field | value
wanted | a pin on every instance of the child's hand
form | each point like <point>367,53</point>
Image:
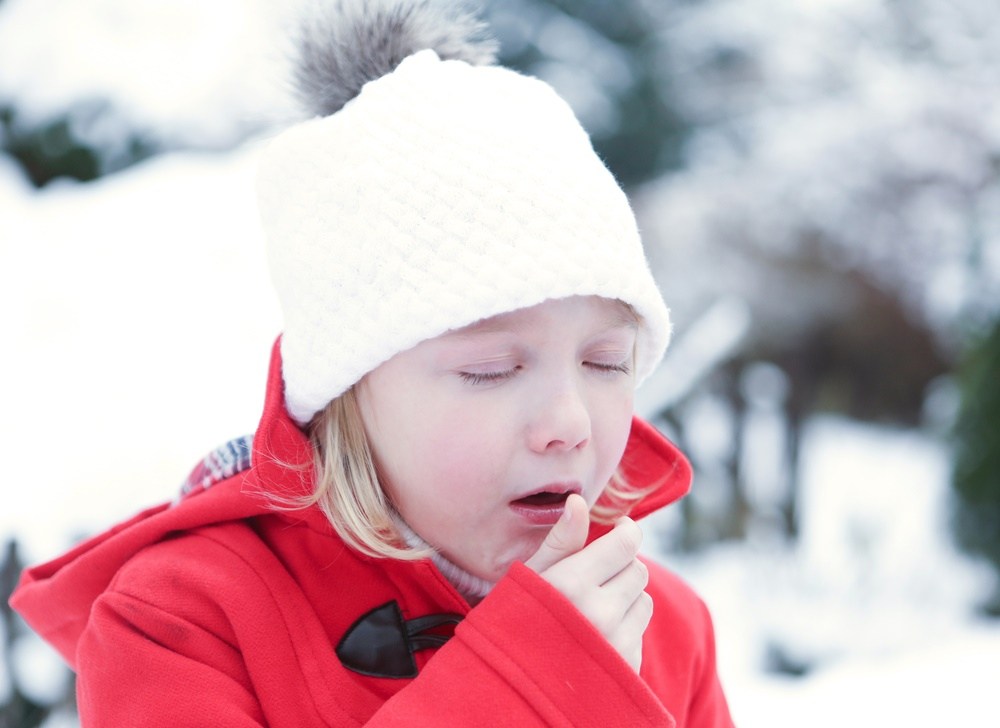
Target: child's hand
<point>604,580</point>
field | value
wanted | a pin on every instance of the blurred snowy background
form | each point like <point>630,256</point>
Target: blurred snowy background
<point>818,185</point>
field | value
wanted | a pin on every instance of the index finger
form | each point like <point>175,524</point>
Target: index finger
<point>608,555</point>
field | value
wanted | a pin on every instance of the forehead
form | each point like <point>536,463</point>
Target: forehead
<point>601,312</point>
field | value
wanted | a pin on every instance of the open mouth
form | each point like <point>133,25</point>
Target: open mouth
<point>543,499</point>
<point>544,507</point>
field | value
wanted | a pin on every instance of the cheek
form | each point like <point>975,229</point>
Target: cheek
<point>452,451</point>
<point>480,440</point>
<point>613,422</point>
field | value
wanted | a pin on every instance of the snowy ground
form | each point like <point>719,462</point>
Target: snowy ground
<point>138,321</point>
<point>873,605</point>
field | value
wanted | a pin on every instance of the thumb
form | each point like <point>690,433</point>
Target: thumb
<point>566,537</point>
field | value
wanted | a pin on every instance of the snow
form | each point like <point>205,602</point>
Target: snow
<point>36,666</point>
<point>872,605</point>
<point>948,683</point>
<point>185,71</point>
<point>855,134</point>
<point>138,321</point>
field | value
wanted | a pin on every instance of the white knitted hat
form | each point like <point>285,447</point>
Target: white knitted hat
<point>444,193</point>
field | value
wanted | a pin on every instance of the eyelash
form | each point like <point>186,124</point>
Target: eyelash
<point>491,377</point>
<point>622,368</point>
<point>487,377</point>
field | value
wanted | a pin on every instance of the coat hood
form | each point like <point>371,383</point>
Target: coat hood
<point>55,598</point>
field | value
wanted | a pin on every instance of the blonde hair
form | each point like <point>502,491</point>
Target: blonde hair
<point>348,491</point>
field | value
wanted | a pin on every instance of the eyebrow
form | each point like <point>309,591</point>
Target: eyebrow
<point>623,316</point>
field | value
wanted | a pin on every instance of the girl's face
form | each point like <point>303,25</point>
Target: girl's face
<point>480,434</point>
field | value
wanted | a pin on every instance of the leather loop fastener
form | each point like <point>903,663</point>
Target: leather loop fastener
<point>382,644</point>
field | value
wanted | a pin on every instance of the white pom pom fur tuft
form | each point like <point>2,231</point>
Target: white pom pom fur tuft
<point>344,44</point>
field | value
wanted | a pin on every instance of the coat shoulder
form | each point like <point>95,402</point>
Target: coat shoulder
<point>202,575</point>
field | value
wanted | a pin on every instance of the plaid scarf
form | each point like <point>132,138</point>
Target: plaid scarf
<point>223,462</point>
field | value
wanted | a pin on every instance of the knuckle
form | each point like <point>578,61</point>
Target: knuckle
<point>575,592</point>
<point>641,572</point>
<point>631,648</point>
<point>627,599</point>
<point>645,606</point>
<point>609,618</point>
<point>623,602</point>
<point>640,611</point>
<point>633,579</point>
<point>628,537</point>
<point>565,580</point>
<point>556,541</point>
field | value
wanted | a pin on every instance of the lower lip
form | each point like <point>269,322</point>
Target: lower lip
<point>546,515</point>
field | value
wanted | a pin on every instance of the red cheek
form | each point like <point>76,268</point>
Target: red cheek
<point>463,457</point>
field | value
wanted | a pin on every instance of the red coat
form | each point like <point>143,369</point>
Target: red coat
<point>219,611</point>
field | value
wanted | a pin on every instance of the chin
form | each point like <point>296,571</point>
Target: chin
<point>521,553</point>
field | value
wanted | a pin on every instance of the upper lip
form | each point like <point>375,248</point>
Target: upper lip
<point>567,487</point>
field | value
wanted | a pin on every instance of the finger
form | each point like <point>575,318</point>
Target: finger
<point>641,611</point>
<point>638,614</point>
<point>633,627</point>
<point>629,581</point>
<point>611,553</point>
<point>565,538</point>
<point>618,596</point>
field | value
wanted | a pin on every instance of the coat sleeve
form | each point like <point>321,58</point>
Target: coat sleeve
<point>526,653</point>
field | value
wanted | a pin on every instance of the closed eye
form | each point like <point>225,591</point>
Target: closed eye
<point>620,368</point>
<point>487,377</point>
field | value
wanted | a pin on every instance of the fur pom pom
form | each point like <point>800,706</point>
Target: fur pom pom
<point>343,44</point>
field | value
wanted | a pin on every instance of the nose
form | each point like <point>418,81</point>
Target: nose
<point>560,421</point>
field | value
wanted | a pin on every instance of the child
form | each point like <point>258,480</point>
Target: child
<point>427,527</point>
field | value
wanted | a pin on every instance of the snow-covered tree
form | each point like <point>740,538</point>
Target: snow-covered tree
<point>847,136</point>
